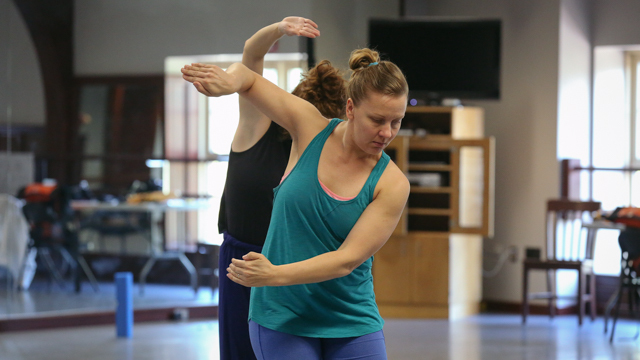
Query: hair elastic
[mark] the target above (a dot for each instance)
(373, 63)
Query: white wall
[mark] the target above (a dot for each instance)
(21, 86)
(574, 96)
(523, 122)
(616, 22)
(132, 37)
(344, 26)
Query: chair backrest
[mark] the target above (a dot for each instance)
(565, 238)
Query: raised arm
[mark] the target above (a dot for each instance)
(252, 123)
(370, 233)
(257, 46)
(299, 117)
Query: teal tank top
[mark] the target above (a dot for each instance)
(307, 222)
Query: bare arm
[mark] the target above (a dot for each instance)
(370, 233)
(252, 123)
(299, 117)
(257, 46)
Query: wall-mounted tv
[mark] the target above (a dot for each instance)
(442, 58)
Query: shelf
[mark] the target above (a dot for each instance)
(431, 262)
(426, 211)
(431, 190)
(429, 167)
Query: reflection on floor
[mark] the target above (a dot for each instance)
(487, 337)
(45, 299)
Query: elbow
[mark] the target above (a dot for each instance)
(345, 270)
(347, 266)
(247, 44)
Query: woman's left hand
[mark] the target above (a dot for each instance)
(254, 270)
(210, 80)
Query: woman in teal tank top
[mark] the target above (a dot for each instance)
(337, 206)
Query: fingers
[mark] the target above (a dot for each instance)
(310, 22)
(233, 277)
(201, 88)
(299, 26)
(251, 256)
(235, 271)
(309, 29)
(194, 72)
(309, 33)
(237, 266)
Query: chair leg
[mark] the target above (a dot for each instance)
(525, 295)
(145, 271)
(87, 271)
(592, 296)
(617, 312)
(551, 288)
(51, 267)
(633, 290)
(581, 295)
(610, 304)
(632, 301)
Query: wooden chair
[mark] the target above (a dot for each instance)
(566, 247)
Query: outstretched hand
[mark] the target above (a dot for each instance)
(252, 271)
(298, 26)
(209, 79)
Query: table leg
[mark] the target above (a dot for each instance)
(145, 271)
(191, 269)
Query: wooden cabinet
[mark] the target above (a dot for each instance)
(431, 266)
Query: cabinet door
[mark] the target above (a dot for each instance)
(393, 271)
(430, 171)
(431, 256)
(472, 183)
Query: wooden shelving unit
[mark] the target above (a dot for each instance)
(431, 266)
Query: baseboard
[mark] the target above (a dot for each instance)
(516, 308)
(24, 323)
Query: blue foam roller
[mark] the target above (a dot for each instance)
(124, 310)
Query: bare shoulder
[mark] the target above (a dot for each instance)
(393, 184)
(310, 126)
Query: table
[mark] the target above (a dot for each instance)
(156, 209)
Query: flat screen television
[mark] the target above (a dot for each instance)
(457, 59)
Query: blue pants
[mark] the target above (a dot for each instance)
(274, 345)
(233, 308)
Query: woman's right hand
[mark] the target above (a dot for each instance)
(210, 80)
(298, 26)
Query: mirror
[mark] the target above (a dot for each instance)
(120, 125)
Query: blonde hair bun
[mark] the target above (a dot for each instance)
(362, 58)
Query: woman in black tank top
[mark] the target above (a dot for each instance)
(257, 160)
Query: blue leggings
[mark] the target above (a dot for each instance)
(274, 345)
(233, 310)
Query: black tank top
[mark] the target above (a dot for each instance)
(247, 200)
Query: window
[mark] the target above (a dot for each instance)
(615, 114)
(213, 122)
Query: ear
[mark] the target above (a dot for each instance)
(349, 110)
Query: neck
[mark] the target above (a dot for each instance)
(350, 150)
